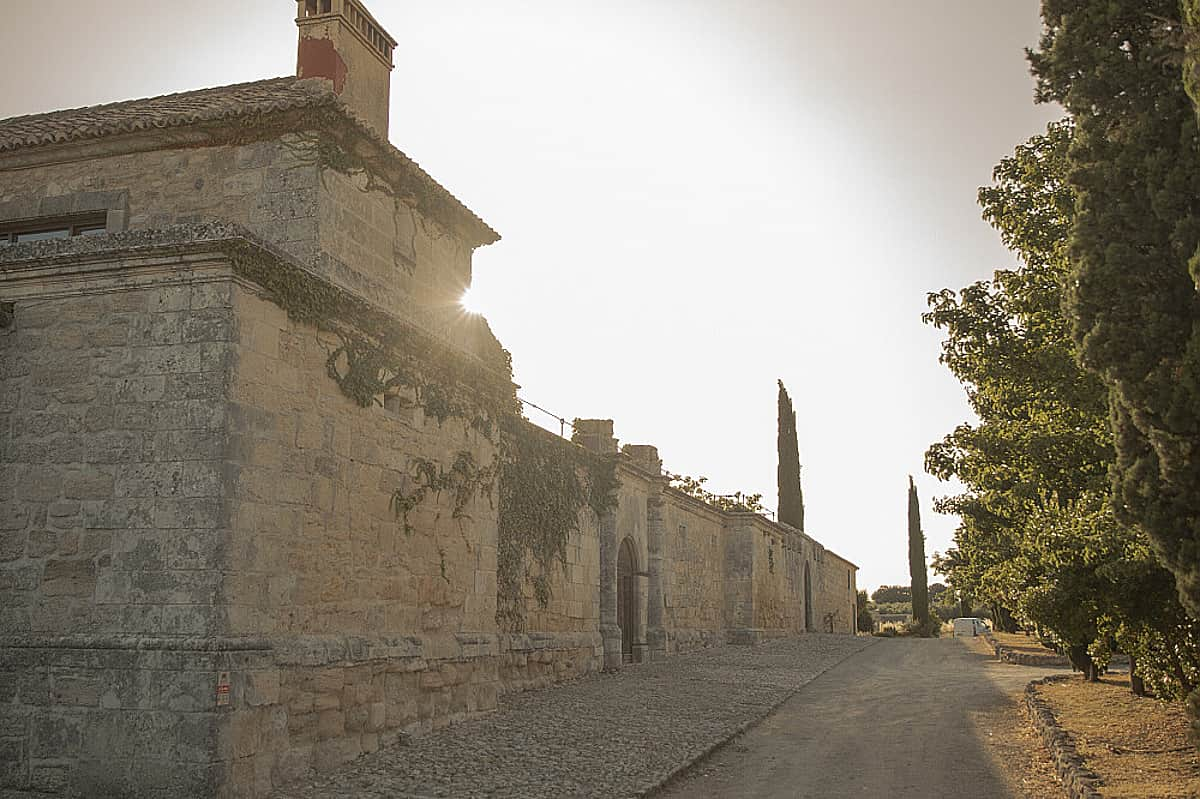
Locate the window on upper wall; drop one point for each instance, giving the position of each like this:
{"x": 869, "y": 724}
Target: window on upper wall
{"x": 57, "y": 228}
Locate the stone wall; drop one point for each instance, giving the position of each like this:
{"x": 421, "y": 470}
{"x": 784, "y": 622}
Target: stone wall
{"x": 205, "y": 586}
{"x": 387, "y": 250}
{"x": 778, "y": 586}
{"x": 694, "y": 590}
{"x": 835, "y": 592}
{"x": 268, "y": 187}
{"x": 112, "y": 532}
{"x": 360, "y": 237}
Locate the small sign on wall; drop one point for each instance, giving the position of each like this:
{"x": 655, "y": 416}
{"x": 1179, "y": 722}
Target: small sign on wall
{"x": 222, "y": 688}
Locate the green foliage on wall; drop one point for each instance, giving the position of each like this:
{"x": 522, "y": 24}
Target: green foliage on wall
{"x": 736, "y": 502}
{"x": 545, "y": 483}
{"x": 465, "y": 479}
{"x": 378, "y": 354}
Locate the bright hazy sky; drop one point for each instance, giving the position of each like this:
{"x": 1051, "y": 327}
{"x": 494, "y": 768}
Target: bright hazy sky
{"x": 696, "y": 196}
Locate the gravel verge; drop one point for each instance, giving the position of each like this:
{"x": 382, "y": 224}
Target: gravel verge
{"x": 605, "y": 735}
{"x": 1079, "y": 781}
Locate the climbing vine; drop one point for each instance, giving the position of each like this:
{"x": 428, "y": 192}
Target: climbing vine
{"x": 545, "y": 483}
{"x": 465, "y": 479}
{"x": 378, "y": 354}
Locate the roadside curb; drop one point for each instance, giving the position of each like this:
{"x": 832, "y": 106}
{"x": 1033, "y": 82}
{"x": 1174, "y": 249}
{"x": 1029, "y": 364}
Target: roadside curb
{"x": 1024, "y": 658}
{"x": 1079, "y": 781}
{"x": 653, "y": 787}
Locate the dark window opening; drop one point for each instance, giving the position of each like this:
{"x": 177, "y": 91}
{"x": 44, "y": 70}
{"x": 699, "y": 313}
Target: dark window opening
{"x": 45, "y": 229}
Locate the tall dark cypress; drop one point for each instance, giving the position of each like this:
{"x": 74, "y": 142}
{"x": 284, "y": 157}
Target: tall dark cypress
{"x": 791, "y": 498}
{"x": 916, "y": 558}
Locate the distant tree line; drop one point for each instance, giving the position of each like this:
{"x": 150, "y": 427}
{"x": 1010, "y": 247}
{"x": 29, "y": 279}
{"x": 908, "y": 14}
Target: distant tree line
{"x": 890, "y": 600}
{"x": 1081, "y": 514}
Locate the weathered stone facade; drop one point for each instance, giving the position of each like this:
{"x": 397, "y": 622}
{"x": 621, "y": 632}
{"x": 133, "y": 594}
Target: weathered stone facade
{"x": 205, "y": 586}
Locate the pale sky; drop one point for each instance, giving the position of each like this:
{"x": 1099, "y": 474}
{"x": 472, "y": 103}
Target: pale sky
{"x": 697, "y": 197}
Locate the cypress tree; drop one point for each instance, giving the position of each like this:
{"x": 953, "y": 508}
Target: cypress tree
{"x": 916, "y": 559}
{"x": 791, "y": 498}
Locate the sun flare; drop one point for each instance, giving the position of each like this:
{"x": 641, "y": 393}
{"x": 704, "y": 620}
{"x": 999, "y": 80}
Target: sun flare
{"x": 468, "y": 302}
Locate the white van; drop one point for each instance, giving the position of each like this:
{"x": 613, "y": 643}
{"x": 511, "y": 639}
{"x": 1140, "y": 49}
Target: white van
{"x": 967, "y": 627}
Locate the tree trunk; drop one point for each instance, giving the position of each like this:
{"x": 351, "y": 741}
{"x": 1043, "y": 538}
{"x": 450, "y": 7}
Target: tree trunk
{"x": 1082, "y": 662}
{"x": 1136, "y": 684}
{"x": 1180, "y": 674}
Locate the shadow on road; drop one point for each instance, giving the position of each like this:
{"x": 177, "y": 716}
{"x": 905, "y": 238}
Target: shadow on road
{"x": 904, "y": 718}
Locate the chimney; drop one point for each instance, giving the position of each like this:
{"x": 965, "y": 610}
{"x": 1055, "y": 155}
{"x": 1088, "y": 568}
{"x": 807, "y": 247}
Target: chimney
{"x": 342, "y": 43}
{"x": 595, "y": 435}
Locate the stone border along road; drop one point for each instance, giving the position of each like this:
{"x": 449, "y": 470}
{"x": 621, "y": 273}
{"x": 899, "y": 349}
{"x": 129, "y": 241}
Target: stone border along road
{"x": 604, "y": 735}
{"x": 1049, "y": 660}
{"x": 1078, "y": 780}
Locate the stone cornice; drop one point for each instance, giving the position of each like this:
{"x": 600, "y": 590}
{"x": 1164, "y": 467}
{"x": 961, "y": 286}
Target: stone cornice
{"x": 179, "y": 254}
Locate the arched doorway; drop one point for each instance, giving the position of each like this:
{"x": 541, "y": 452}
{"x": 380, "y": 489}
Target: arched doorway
{"x": 627, "y": 598}
{"x": 808, "y": 609}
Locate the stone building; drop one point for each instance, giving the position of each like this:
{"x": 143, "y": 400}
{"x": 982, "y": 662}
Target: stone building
{"x": 265, "y": 504}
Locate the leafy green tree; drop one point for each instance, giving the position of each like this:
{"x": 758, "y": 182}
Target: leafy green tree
{"x": 1191, "y": 41}
{"x": 1116, "y": 66}
{"x": 791, "y": 497}
{"x": 916, "y": 559}
{"x": 736, "y": 502}
{"x": 1042, "y": 435}
{"x": 866, "y": 616}
{"x": 1038, "y": 535}
{"x": 892, "y": 593}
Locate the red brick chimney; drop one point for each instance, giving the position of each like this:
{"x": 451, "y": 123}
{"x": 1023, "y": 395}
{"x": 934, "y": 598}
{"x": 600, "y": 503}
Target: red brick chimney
{"x": 342, "y": 43}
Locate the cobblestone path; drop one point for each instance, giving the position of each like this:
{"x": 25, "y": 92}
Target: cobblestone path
{"x": 606, "y": 735}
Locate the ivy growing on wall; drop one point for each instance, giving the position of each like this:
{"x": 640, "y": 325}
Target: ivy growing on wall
{"x": 544, "y": 482}
{"x": 544, "y": 485}
{"x": 377, "y": 353}
{"x": 465, "y": 479}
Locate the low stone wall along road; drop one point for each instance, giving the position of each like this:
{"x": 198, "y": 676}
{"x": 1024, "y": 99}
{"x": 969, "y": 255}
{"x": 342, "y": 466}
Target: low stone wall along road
{"x": 606, "y": 735}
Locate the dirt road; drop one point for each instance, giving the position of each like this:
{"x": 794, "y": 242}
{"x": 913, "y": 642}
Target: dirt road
{"x": 903, "y": 718}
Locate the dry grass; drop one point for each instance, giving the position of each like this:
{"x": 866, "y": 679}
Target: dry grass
{"x": 1018, "y": 753}
{"x": 1139, "y": 746}
{"x": 1015, "y": 749}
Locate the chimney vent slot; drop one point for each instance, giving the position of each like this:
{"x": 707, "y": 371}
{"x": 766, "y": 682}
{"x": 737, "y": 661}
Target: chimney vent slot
{"x": 315, "y": 8}
{"x": 362, "y": 22}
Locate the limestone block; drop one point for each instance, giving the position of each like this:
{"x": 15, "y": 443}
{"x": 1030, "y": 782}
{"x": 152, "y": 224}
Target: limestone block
{"x": 293, "y": 764}
{"x": 262, "y": 687}
{"x": 331, "y": 753}
{"x": 75, "y": 578}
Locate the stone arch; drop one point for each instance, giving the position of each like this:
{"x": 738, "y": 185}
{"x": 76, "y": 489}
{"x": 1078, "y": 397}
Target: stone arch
{"x": 628, "y": 610}
{"x": 808, "y": 603}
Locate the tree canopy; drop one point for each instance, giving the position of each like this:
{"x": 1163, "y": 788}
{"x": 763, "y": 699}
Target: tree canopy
{"x": 1117, "y": 66}
{"x": 1039, "y": 535}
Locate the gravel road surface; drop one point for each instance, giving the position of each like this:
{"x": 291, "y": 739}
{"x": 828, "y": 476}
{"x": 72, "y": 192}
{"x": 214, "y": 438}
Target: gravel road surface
{"x": 905, "y": 719}
{"x": 606, "y": 735}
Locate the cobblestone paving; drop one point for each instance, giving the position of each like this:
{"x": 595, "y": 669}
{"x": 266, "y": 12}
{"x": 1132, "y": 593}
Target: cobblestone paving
{"x": 606, "y": 735}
